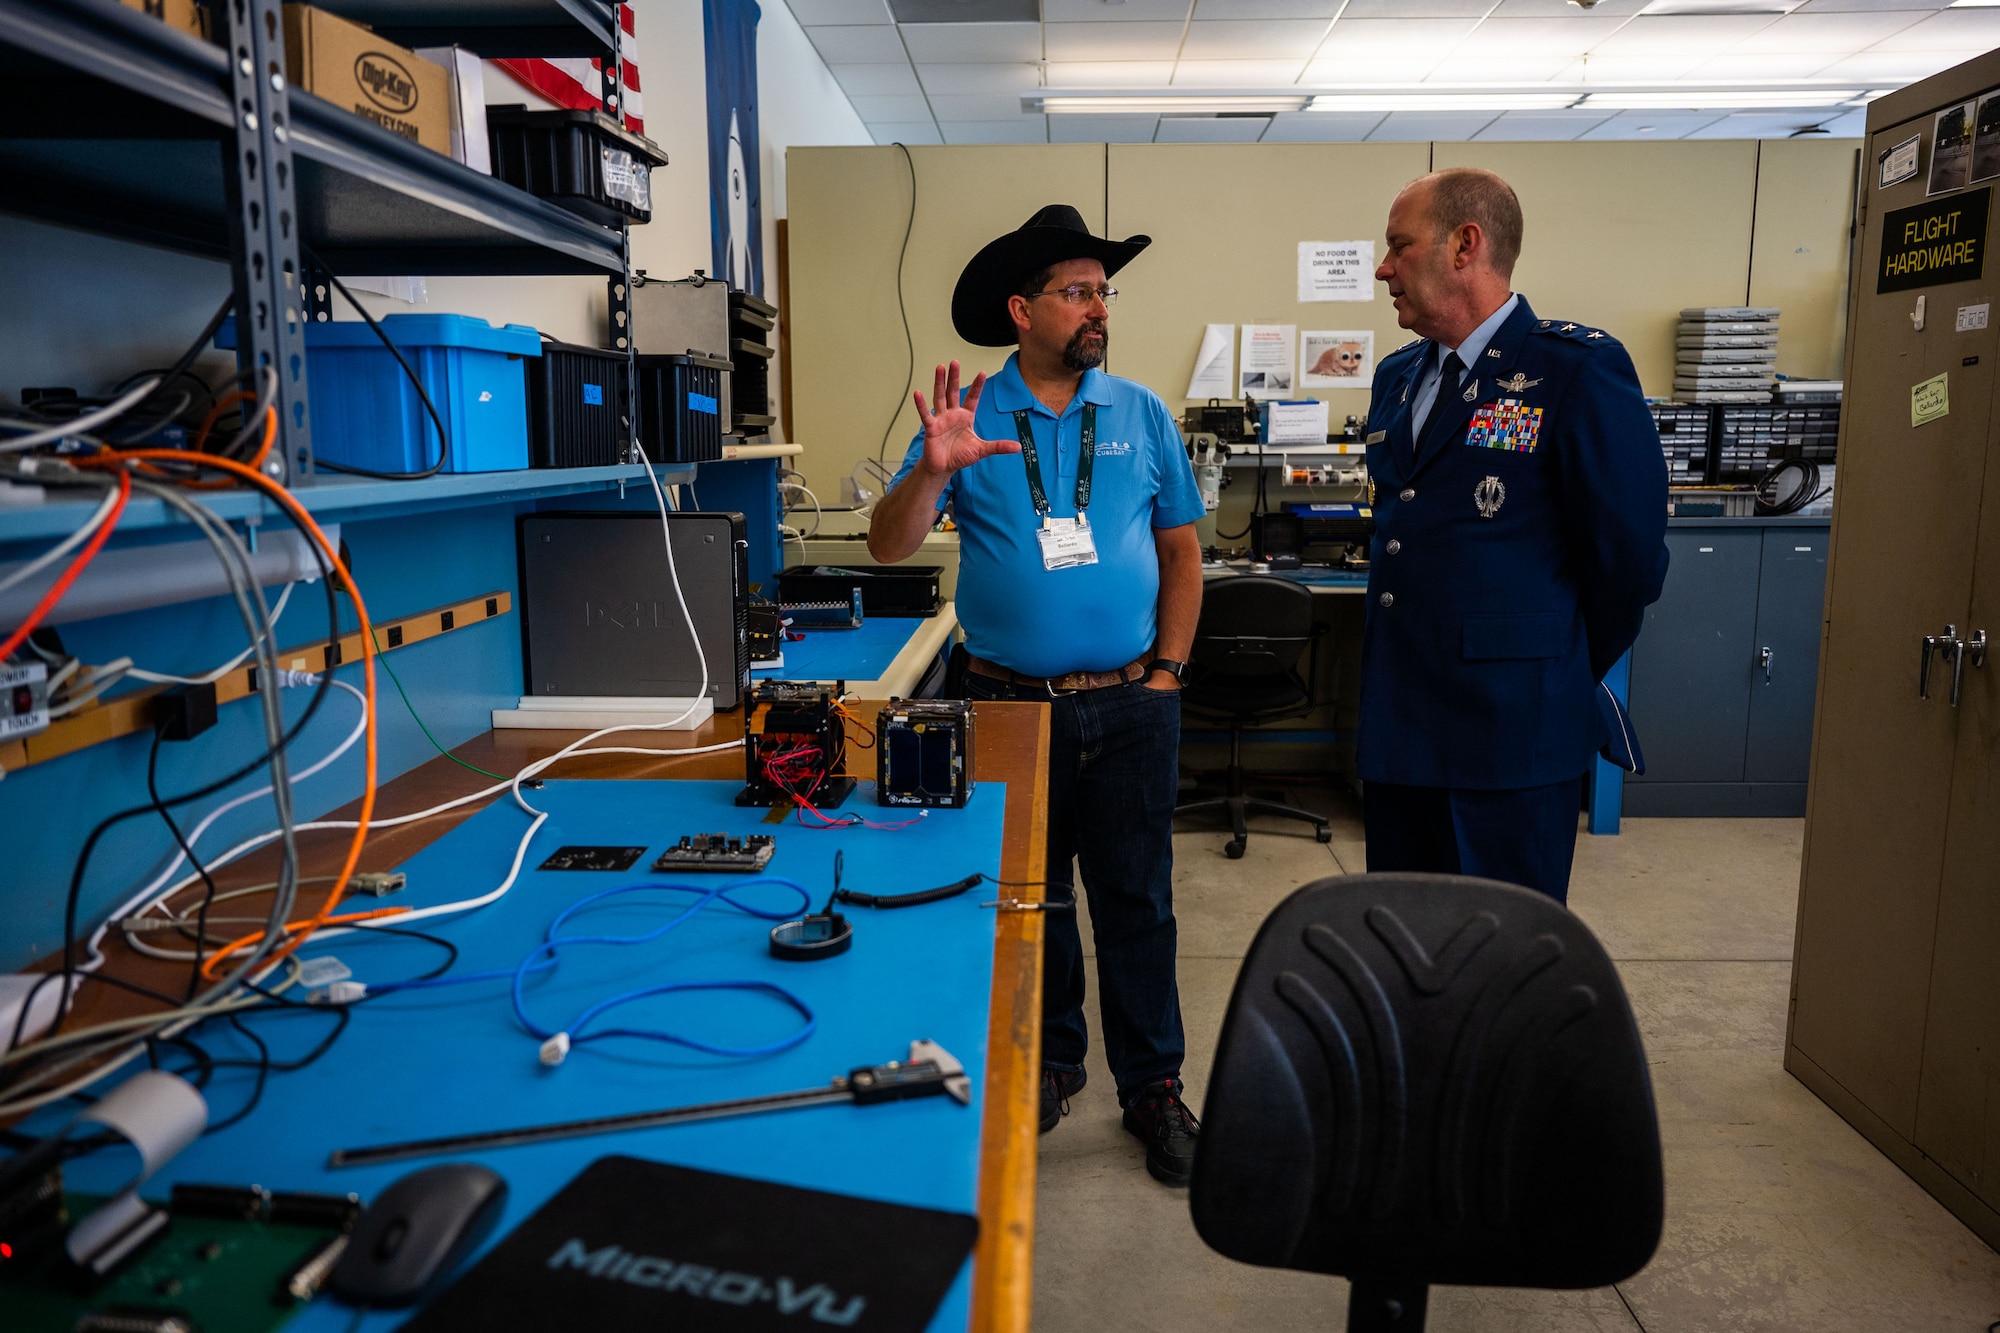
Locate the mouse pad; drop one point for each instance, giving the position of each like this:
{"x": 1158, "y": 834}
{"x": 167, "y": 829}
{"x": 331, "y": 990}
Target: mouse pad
{"x": 637, "y": 1244}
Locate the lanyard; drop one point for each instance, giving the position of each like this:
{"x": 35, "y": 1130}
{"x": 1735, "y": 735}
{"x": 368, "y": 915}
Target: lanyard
{"x": 1024, "y": 428}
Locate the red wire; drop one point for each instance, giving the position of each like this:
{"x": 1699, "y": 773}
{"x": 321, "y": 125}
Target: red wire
{"x": 61, "y": 585}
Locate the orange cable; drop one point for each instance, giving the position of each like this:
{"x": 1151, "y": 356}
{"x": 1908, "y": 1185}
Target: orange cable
{"x": 367, "y": 630}
{"x": 61, "y": 585}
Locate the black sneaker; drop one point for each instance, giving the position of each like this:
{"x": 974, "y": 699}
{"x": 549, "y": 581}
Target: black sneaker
{"x": 1159, "y": 1119}
{"x": 1058, "y": 1086}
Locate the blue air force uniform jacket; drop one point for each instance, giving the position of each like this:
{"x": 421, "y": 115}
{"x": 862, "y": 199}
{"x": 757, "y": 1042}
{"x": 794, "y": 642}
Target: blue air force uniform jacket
{"x": 1512, "y": 562}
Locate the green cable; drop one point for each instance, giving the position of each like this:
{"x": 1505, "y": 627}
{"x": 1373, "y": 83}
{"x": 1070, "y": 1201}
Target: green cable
{"x": 382, "y": 656}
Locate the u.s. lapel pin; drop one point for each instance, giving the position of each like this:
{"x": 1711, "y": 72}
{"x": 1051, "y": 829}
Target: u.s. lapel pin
{"x": 1488, "y": 496}
{"x": 1517, "y": 383}
{"x": 1493, "y": 351}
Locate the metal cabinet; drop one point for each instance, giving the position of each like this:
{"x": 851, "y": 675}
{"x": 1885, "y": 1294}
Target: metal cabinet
{"x": 1724, "y": 671}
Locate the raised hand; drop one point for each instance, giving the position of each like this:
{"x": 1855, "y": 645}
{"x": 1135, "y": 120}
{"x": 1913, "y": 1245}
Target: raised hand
{"x": 950, "y": 443}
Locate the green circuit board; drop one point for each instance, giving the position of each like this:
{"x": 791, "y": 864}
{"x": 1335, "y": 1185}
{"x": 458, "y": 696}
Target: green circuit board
{"x": 219, "y": 1274}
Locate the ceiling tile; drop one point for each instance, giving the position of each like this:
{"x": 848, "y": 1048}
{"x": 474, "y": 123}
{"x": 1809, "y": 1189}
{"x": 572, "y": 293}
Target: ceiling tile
{"x": 1669, "y": 34}
{"x": 1540, "y": 126}
{"x": 1321, "y": 126}
{"x": 1111, "y": 74}
{"x": 1113, "y": 41}
{"x": 1513, "y": 38}
{"x": 1416, "y": 126}
{"x": 1891, "y": 69}
{"x": 812, "y": 12}
{"x": 990, "y": 106}
{"x": 967, "y": 80}
{"x": 1021, "y": 129}
{"x": 891, "y": 108}
{"x": 1757, "y": 125}
{"x": 1325, "y": 72}
{"x": 965, "y": 11}
{"x": 1649, "y": 125}
{"x": 1967, "y": 31}
{"x": 1102, "y": 129}
{"x": 1373, "y": 38}
{"x": 1415, "y": 9}
{"x": 1595, "y": 68}
{"x": 908, "y": 131}
{"x": 973, "y": 43}
{"x": 872, "y": 45}
{"x": 1211, "y": 129}
{"x": 1115, "y": 11}
{"x": 1851, "y": 6}
{"x": 1839, "y": 33}
{"x": 1472, "y": 64}
{"x": 1253, "y": 39}
{"x": 1233, "y": 10}
{"x": 875, "y": 80}
{"x": 1611, "y": 12}
{"x": 1756, "y": 67}
{"x": 1236, "y": 73}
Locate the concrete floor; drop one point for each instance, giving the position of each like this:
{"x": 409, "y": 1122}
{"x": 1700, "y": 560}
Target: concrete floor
{"x": 1778, "y": 1215}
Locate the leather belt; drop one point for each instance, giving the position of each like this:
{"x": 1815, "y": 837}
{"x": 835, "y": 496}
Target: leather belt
{"x": 1075, "y": 680}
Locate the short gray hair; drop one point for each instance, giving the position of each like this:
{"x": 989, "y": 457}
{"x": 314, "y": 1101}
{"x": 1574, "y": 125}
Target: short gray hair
{"x": 1471, "y": 194}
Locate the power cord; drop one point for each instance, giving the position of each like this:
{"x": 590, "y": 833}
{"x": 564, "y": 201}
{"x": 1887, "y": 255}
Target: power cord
{"x": 902, "y": 309}
{"x": 444, "y": 440}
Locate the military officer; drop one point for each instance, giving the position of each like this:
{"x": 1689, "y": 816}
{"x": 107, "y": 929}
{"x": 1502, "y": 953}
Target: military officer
{"x": 1520, "y": 508}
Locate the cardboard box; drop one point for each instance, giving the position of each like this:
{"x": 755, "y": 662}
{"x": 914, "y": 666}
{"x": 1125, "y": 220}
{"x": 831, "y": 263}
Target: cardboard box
{"x": 468, "y": 104}
{"x": 186, "y": 15}
{"x": 350, "y": 66}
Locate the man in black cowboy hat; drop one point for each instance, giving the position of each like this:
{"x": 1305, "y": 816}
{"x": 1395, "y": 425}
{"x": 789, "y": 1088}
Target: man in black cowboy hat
{"x": 1079, "y": 585}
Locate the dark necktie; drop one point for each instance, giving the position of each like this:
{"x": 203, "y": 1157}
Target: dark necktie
{"x": 1447, "y": 390}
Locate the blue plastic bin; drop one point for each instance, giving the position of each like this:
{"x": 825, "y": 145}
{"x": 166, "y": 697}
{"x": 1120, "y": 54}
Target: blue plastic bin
{"x": 366, "y": 414}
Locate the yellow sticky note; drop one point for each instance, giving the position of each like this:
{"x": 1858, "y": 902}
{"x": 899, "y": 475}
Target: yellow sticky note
{"x": 1930, "y": 400}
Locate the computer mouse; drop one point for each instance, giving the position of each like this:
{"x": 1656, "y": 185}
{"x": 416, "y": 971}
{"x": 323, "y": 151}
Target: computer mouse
{"x": 415, "y": 1233}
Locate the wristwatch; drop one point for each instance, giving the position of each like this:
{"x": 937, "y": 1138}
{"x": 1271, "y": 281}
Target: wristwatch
{"x": 1178, "y": 670}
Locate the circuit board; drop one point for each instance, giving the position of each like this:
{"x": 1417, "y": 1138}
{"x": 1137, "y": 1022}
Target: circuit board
{"x": 216, "y": 1274}
{"x": 593, "y": 858}
{"x": 719, "y": 851}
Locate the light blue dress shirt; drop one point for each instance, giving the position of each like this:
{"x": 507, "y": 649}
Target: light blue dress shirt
{"x": 1468, "y": 353}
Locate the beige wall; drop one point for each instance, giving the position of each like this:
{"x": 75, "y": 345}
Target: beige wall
{"x": 1621, "y": 235}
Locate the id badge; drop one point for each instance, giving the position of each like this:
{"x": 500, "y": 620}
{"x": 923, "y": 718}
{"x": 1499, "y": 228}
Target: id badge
{"x": 1066, "y": 543}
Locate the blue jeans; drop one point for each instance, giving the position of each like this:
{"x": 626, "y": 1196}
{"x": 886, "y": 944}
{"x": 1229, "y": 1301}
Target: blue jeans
{"x": 1114, "y": 758}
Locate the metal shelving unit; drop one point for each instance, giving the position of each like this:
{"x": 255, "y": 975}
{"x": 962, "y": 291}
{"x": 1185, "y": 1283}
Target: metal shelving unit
{"x": 114, "y": 123}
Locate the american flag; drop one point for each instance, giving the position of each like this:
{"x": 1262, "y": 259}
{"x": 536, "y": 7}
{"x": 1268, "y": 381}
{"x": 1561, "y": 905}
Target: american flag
{"x": 577, "y": 83}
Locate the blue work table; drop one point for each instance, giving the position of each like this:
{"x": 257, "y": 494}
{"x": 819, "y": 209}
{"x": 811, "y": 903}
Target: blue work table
{"x": 884, "y": 657}
{"x": 452, "y": 1060}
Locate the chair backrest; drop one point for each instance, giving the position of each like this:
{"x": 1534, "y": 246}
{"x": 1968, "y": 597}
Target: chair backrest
{"x": 1251, "y": 625}
{"x": 1430, "y": 1079}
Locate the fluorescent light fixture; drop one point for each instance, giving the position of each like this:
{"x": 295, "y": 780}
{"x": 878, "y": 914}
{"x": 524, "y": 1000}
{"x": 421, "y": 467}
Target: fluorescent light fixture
{"x": 1469, "y": 100}
{"x": 1156, "y": 104}
{"x": 1973, "y": 4}
{"x": 1703, "y": 99}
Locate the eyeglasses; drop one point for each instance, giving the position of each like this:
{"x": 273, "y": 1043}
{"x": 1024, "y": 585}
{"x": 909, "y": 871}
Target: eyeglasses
{"x": 1079, "y": 293}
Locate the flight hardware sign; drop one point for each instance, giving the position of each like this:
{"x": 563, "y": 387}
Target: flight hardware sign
{"x": 1930, "y": 244}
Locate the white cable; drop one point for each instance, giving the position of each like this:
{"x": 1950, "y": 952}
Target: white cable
{"x": 102, "y": 678}
{"x": 66, "y": 545}
{"x": 82, "y": 425}
{"x": 210, "y": 677}
{"x": 142, "y": 901}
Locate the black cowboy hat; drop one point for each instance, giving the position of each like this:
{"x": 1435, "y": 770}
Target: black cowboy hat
{"x": 1054, "y": 234}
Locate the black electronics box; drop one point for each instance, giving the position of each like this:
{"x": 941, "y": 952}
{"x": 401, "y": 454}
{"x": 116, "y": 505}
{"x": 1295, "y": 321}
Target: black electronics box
{"x": 583, "y": 161}
{"x": 886, "y": 590}
{"x": 599, "y": 613}
{"x": 766, "y": 630}
{"x": 680, "y": 407}
{"x": 923, "y": 753}
{"x": 1277, "y": 539}
{"x": 1323, "y": 523}
{"x": 632, "y": 1244}
{"x": 1229, "y": 422}
{"x": 576, "y": 406}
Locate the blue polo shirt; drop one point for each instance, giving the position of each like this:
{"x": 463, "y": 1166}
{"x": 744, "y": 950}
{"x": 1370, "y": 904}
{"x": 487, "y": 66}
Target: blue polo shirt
{"x": 1047, "y": 622}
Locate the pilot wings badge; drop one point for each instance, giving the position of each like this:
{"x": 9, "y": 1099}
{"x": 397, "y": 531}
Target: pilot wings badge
{"x": 1488, "y": 496}
{"x": 1518, "y": 382}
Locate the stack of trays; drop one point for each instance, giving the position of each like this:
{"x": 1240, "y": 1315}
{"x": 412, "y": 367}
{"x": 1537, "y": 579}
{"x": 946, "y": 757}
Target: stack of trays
{"x": 1726, "y": 354}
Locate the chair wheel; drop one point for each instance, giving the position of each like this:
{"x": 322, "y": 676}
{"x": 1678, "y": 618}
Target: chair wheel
{"x": 1233, "y": 849}
{"x": 1324, "y": 833}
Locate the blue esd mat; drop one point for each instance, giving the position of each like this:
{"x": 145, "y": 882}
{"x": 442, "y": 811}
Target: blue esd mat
{"x": 420, "y": 1064}
{"x": 862, "y": 653}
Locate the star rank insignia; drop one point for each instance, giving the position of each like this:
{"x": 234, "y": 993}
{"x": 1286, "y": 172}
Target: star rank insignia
{"x": 1569, "y": 328}
{"x": 1595, "y": 333}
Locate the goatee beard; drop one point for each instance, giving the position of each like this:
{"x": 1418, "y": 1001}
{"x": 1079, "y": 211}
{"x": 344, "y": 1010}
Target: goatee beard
{"x": 1078, "y": 357}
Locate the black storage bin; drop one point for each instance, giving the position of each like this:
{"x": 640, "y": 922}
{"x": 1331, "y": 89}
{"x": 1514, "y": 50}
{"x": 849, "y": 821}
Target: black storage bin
{"x": 1687, "y": 440}
{"x": 576, "y": 407}
{"x": 751, "y": 382}
{"x": 583, "y": 161}
{"x": 680, "y": 408}
{"x": 886, "y": 590}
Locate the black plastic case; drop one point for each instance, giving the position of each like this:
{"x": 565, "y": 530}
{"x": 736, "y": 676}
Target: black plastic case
{"x": 680, "y": 407}
{"x": 576, "y": 406}
{"x": 580, "y": 160}
{"x": 886, "y": 590}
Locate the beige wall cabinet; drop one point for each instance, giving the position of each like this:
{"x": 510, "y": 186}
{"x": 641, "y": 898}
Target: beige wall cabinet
{"x": 1896, "y": 986}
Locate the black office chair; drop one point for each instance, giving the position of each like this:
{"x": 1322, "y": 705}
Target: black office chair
{"x": 1429, "y": 1079}
{"x": 1244, "y": 669}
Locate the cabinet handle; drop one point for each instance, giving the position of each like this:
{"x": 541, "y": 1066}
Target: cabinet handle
{"x": 1764, "y": 656}
{"x": 1934, "y": 643}
{"x": 1975, "y": 648}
